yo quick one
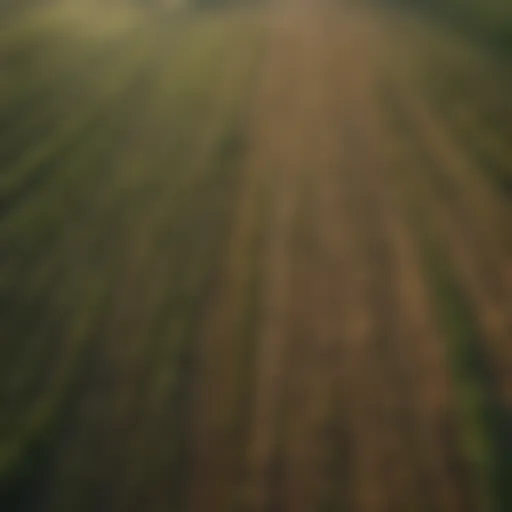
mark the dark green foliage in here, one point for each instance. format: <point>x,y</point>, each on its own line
<point>489,21</point>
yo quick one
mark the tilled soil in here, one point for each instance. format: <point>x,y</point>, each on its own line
<point>307,308</point>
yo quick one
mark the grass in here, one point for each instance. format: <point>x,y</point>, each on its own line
<point>119,166</point>
<point>481,130</point>
<point>488,22</point>
<point>483,420</point>
<point>467,87</point>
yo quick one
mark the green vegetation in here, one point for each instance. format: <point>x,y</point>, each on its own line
<point>484,421</point>
<point>487,20</point>
<point>477,109</point>
<point>119,149</point>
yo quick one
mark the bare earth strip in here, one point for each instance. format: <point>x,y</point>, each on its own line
<point>353,404</point>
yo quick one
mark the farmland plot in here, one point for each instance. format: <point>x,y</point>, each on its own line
<point>253,258</point>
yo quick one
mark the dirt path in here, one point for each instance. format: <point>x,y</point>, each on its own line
<point>353,403</point>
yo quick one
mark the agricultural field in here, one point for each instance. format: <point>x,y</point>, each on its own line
<point>254,257</point>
